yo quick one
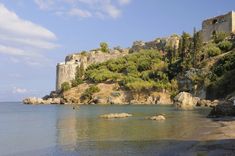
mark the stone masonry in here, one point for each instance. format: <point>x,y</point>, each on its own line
<point>222,23</point>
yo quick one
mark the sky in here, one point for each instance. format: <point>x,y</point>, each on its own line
<point>37,34</point>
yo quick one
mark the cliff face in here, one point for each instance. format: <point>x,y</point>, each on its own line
<point>112,94</point>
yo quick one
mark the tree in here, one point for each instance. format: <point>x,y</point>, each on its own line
<point>185,47</point>
<point>197,47</point>
<point>80,71</point>
<point>104,47</point>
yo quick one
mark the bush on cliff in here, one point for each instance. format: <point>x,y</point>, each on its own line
<point>225,45</point>
<point>65,86</point>
<point>222,82</point>
<point>104,47</point>
<point>87,95</point>
<point>137,71</point>
<point>211,50</point>
<point>225,64</point>
<point>219,36</point>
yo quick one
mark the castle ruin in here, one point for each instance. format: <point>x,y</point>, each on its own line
<point>222,23</point>
<point>66,70</point>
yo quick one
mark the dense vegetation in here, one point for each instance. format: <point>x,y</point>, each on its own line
<point>144,70</point>
<point>223,77</point>
<point>152,70</point>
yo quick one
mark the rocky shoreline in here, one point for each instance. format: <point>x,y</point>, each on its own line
<point>183,101</point>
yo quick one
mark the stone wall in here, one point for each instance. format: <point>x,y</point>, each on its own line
<point>223,23</point>
<point>159,44</point>
<point>65,72</point>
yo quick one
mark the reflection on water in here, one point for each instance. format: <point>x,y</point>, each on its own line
<point>60,130</point>
<point>82,130</point>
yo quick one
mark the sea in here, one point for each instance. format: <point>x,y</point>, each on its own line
<point>60,130</point>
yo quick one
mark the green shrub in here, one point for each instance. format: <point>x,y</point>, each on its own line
<point>84,53</point>
<point>140,85</point>
<point>87,95</point>
<point>212,50</point>
<point>78,76</point>
<point>219,36</point>
<point>76,82</point>
<point>104,47</point>
<point>225,45</point>
<point>225,64</point>
<point>65,86</point>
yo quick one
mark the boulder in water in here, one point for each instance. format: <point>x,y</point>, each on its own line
<point>158,117</point>
<point>185,101</point>
<point>223,109</point>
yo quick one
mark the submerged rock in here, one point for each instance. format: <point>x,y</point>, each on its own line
<point>223,109</point>
<point>157,117</point>
<point>116,115</point>
<point>185,101</point>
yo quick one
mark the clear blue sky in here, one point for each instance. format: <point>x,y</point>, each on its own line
<point>36,34</point>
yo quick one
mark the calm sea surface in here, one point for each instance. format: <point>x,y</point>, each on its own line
<point>60,130</point>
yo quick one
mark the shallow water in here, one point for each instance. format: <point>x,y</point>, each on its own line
<point>60,130</point>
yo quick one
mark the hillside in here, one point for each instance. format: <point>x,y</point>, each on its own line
<point>154,74</point>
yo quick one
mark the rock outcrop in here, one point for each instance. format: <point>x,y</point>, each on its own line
<point>207,103</point>
<point>110,93</point>
<point>157,117</point>
<point>223,109</point>
<point>185,101</point>
<point>116,115</point>
<point>34,100</point>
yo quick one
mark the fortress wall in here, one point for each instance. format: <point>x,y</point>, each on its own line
<point>233,21</point>
<point>221,23</point>
<point>65,73</point>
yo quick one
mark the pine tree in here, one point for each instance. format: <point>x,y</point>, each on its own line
<point>197,47</point>
<point>186,45</point>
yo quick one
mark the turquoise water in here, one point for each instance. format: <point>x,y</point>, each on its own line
<point>60,130</point>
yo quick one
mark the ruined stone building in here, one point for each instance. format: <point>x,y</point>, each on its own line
<point>222,23</point>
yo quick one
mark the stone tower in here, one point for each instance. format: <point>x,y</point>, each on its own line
<point>222,23</point>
